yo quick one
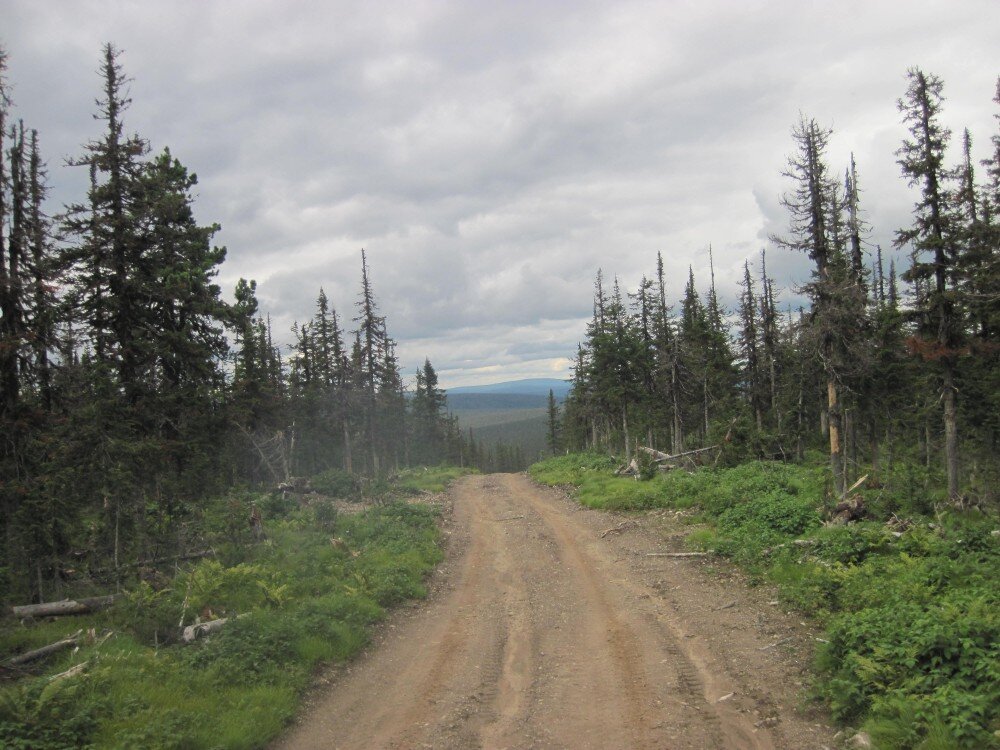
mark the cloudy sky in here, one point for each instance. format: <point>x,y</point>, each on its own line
<point>491,156</point>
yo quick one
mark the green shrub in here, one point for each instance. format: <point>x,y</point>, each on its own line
<point>335,483</point>
<point>257,648</point>
<point>44,714</point>
<point>275,505</point>
<point>851,544</point>
<point>239,588</point>
<point>149,614</point>
<point>326,515</point>
<point>776,512</point>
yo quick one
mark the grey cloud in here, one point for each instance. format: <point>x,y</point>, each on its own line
<point>491,157</point>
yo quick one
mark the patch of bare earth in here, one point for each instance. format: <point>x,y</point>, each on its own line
<point>543,631</point>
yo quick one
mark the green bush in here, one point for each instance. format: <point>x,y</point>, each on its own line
<point>335,483</point>
<point>277,505</point>
<point>149,614</point>
<point>43,714</point>
<point>326,515</point>
<point>258,648</point>
<point>777,512</point>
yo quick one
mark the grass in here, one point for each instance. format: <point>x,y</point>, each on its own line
<point>307,594</point>
<point>912,617</point>
<point>430,478</point>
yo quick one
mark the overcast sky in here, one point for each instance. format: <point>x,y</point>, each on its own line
<point>491,156</point>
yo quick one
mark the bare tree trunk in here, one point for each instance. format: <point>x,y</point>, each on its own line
<point>678,430</point>
<point>874,448</point>
<point>774,393</point>
<point>800,416</point>
<point>950,435</point>
<point>889,446</point>
<point>849,432</point>
<point>836,459</point>
<point>678,442</point>
<point>705,395</point>
<point>628,446</point>
<point>348,464</point>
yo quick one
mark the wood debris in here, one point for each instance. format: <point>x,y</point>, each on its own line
<point>44,651</point>
<point>620,528</point>
<point>65,607</point>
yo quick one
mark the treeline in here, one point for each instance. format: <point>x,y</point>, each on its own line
<point>130,390</point>
<point>869,372</point>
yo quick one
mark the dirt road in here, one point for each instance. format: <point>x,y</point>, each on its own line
<point>542,633</point>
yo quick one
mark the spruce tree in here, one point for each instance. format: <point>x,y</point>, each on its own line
<point>933,248</point>
<point>750,349</point>
<point>108,255</point>
<point>813,208</point>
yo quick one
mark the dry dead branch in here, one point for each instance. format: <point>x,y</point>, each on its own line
<point>620,528</point>
<point>71,672</point>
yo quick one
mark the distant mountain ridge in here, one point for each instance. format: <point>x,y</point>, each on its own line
<point>458,402</point>
<point>526,387</point>
<point>513,412</point>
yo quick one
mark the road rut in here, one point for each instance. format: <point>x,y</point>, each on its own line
<point>542,633</point>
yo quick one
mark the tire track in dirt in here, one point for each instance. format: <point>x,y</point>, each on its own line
<point>632,653</point>
<point>631,678</point>
<point>537,634</point>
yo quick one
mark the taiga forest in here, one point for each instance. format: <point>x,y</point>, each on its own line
<point>193,498</point>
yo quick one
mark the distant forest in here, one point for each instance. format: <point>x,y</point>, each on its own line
<point>880,367</point>
<point>130,390</point>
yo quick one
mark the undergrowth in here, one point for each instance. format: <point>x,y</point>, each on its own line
<point>912,616</point>
<point>305,594</point>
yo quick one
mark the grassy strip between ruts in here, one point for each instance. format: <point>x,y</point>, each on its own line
<point>911,609</point>
<point>306,594</point>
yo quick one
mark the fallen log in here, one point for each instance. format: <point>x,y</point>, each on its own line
<point>696,451</point>
<point>628,470</point>
<point>156,561</point>
<point>65,607</point>
<point>71,672</point>
<point>657,455</point>
<point>849,510</point>
<point>665,459</point>
<point>44,651</point>
<point>194,632</point>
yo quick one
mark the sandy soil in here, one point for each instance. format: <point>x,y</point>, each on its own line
<point>540,632</point>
